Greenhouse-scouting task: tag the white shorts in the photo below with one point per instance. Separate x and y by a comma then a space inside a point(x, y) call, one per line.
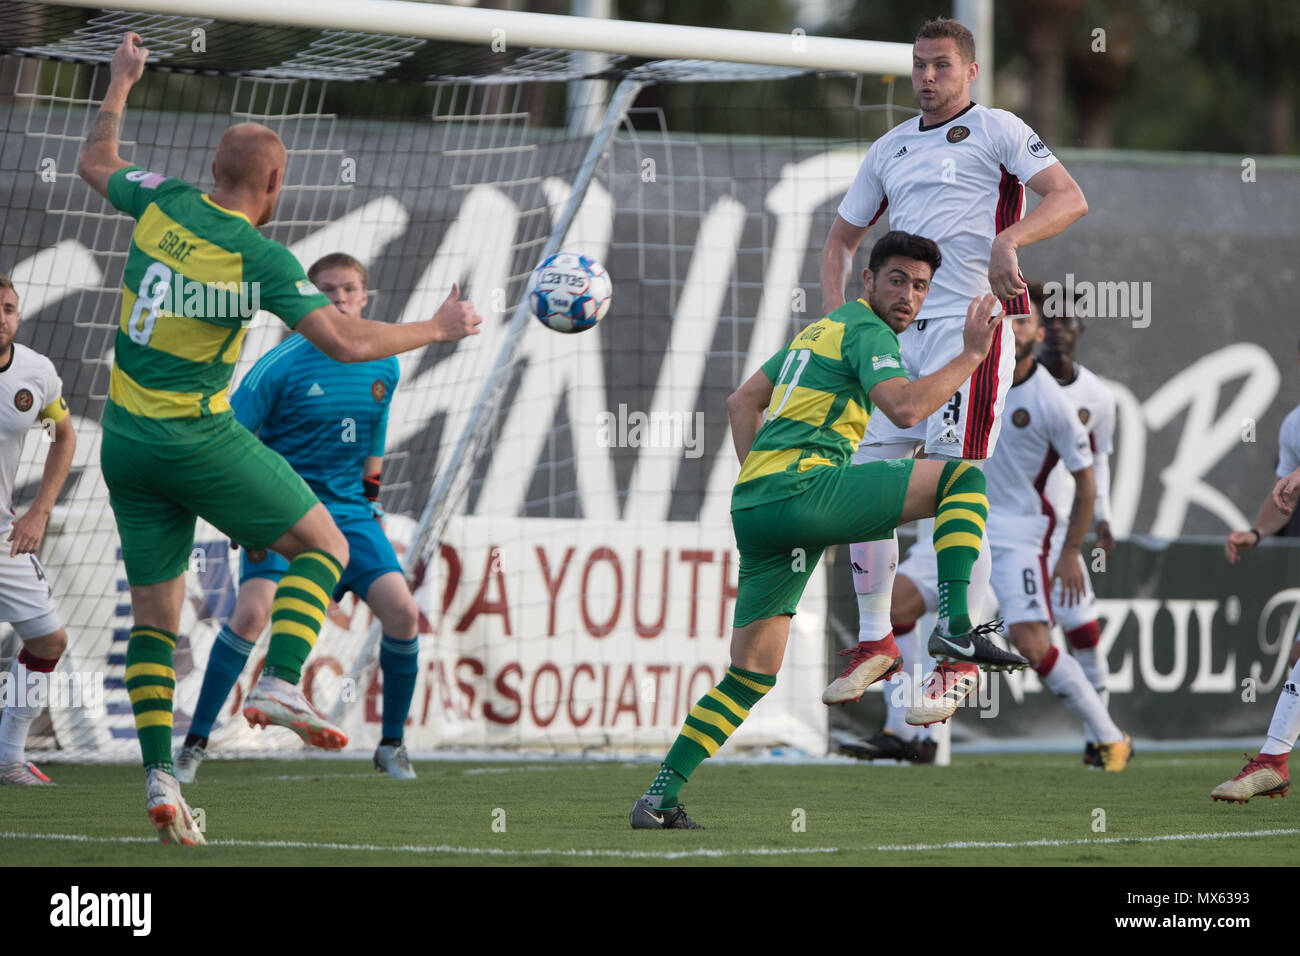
point(1020, 576)
point(921, 567)
point(1081, 613)
point(26, 599)
point(967, 426)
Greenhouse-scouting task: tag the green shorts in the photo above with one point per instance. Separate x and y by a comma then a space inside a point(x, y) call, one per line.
point(780, 542)
point(231, 480)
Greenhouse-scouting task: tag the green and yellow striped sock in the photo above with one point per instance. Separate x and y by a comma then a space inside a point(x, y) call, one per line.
point(151, 683)
point(298, 612)
point(711, 721)
point(961, 509)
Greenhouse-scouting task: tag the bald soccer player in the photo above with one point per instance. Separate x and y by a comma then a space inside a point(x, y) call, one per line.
point(172, 449)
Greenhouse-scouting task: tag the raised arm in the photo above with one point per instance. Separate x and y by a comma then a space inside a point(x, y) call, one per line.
point(907, 403)
point(837, 261)
point(99, 159)
point(347, 339)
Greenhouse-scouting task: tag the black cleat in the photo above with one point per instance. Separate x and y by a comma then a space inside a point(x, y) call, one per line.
point(646, 817)
point(1091, 755)
point(974, 648)
point(887, 745)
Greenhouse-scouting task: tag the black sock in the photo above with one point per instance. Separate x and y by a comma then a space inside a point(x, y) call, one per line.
point(194, 740)
point(390, 741)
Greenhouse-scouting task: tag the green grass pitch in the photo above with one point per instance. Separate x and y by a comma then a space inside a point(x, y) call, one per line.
point(1041, 809)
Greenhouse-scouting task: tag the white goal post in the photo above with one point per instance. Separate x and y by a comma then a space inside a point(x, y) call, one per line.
point(549, 31)
point(561, 500)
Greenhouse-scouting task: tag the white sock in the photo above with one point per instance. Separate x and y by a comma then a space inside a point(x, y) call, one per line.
point(1285, 725)
point(898, 696)
point(874, 564)
point(16, 721)
point(1066, 680)
point(275, 685)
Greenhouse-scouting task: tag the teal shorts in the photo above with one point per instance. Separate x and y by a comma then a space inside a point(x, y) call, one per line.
point(231, 480)
point(780, 542)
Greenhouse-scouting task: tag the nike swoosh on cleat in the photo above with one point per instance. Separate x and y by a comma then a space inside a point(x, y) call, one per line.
point(969, 648)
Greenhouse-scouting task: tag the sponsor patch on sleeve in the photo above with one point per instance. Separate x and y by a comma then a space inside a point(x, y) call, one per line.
point(1037, 148)
point(884, 361)
point(305, 288)
point(146, 179)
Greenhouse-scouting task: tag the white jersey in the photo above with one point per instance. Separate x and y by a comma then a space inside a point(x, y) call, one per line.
point(959, 183)
point(1288, 444)
point(30, 391)
point(1040, 429)
point(1094, 405)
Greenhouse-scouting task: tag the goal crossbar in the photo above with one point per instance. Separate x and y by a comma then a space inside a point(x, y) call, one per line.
point(548, 31)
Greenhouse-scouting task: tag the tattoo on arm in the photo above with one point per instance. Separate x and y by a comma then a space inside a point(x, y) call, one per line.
point(107, 125)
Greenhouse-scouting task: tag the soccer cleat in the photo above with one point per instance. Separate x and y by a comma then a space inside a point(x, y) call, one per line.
point(974, 648)
point(1259, 778)
point(646, 817)
point(393, 761)
point(1114, 757)
point(187, 762)
point(942, 693)
point(872, 662)
point(281, 707)
point(22, 775)
point(168, 811)
point(887, 745)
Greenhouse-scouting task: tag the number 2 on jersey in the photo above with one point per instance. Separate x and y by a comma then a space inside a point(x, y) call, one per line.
point(801, 357)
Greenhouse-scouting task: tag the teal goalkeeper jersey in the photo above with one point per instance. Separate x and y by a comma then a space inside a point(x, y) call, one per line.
point(820, 407)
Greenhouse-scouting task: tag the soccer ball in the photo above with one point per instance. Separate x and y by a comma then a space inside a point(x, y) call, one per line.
point(569, 292)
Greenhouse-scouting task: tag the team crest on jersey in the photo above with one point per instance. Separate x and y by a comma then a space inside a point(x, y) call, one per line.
point(23, 400)
point(958, 133)
point(1084, 415)
point(1020, 418)
point(378, 391)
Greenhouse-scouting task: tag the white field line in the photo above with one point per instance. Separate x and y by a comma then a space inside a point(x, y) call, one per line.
point(667, 854)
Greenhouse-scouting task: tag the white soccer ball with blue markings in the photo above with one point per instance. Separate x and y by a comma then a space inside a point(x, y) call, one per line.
point(569, 292)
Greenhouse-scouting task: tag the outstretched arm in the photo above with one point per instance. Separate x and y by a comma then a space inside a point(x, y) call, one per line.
point(99, 159)
point(1269, 521)
point(906, 403)
point(347, 339)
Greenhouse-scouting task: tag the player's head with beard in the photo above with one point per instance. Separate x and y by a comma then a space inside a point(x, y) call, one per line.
point(943, 68)
point(1061, 331)
point(8, 318)
point(897, 276)
point(1028, 328)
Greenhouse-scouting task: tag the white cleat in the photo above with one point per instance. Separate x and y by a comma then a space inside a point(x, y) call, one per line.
point(942, 693)
point(22, 775)
point(187, 762)
point(168, 812)
point(394, 762)
point(285, 706)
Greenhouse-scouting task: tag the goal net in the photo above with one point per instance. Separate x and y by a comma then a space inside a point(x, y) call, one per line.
point(560, 502)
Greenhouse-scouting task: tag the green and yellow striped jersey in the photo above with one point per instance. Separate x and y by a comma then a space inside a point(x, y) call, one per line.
point(195, 276)
point(819, 407)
